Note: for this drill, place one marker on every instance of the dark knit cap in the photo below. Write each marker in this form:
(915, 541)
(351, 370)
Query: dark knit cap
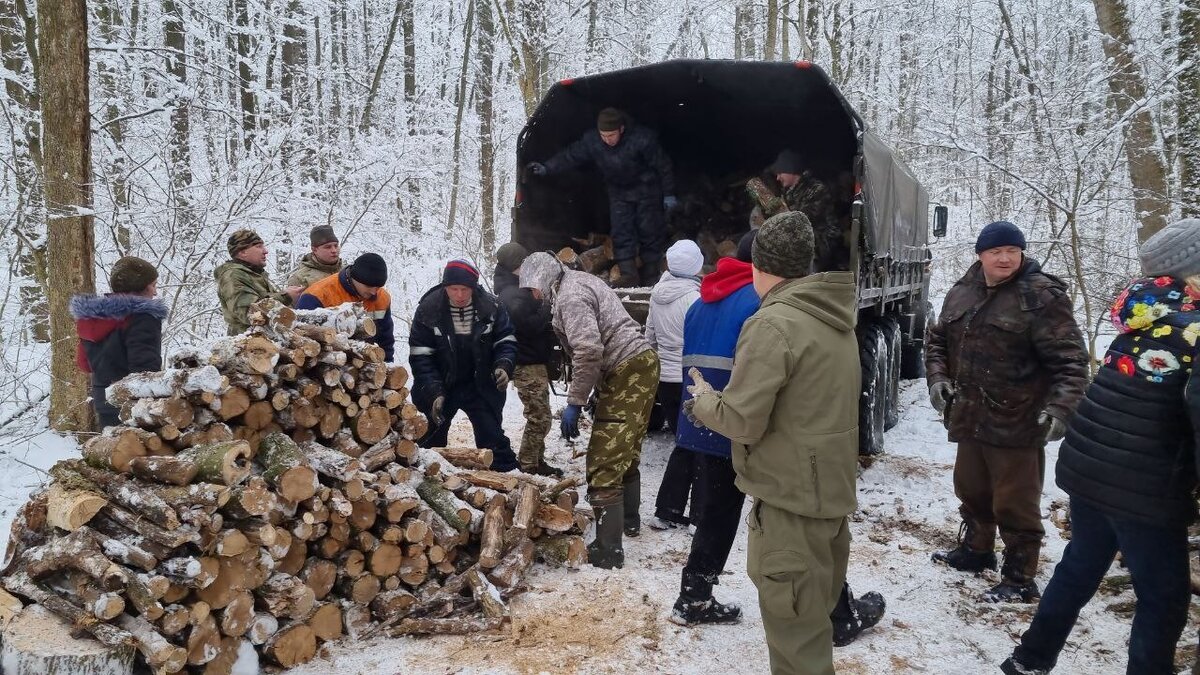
(241, 240)
(131, 275)
(1173, 251)
(369, 269)
(460, 273)
(511, 255)
(610, 119)
(321, 234)
(746, 246)
(788, 161)
(999, 233)
(784, 245)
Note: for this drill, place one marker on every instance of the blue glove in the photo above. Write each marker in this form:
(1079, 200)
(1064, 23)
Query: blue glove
(570, 422)
(670, 202)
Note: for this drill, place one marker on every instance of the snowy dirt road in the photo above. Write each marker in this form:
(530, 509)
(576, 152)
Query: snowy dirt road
(593, 621)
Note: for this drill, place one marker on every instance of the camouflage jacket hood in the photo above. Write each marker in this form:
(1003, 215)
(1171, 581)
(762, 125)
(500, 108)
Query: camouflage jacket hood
(589, 319)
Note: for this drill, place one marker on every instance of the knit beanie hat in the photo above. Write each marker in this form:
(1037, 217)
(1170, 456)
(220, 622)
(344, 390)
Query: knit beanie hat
(241, 240)
(746, 246)
(131, 275)
(1173, 251)
(999, 233)
(369, 269)
(610, 119)
(460, 273)
(788, 161)
(784, 245)
(684, 258)
(511, 255)
(321, 234)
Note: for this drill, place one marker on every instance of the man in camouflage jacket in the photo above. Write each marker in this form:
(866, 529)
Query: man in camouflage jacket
(323, 261)
(797, 189)
(1006, 367)
(608, 354)
(243, 280)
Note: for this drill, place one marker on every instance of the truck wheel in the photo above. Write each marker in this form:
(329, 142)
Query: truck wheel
(873, 402)
(912, 355)
(891, 334)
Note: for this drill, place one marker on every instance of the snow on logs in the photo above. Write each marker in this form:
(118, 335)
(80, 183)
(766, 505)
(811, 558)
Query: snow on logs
(266, 495)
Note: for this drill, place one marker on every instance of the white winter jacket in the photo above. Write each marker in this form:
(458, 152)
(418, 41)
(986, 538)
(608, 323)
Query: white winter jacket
(669, 302)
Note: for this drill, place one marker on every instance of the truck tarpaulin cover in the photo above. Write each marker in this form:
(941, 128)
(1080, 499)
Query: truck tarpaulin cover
(897, 205)
(720, 121)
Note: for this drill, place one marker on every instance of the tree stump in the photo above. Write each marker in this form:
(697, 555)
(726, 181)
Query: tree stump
(37, 642)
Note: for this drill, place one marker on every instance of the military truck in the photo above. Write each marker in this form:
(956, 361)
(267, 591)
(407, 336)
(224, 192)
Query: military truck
(723, 122)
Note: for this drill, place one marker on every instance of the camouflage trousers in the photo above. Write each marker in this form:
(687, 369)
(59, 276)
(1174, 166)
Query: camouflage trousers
(623, 404)
(533, 387)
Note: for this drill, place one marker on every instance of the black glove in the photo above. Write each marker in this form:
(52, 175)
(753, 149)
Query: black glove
(939, 395)
(536, 168)
(1056, 429)
(500, 377)
(435, 411)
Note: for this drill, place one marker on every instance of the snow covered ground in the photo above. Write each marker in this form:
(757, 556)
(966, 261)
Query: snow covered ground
(594, 621)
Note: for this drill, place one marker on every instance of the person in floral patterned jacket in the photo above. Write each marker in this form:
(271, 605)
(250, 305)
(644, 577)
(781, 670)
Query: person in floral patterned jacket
(1128, 464)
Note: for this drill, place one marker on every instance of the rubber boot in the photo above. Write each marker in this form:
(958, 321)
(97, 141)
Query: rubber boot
(629, 275)
(650, 273)
(633, 502)
(853, 615)
(606, 551)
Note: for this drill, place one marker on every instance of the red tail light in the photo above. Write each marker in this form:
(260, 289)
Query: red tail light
(567, 81)
(804, 64)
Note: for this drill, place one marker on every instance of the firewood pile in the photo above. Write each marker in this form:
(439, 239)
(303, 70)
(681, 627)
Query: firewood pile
(595, 254)
(267, 492)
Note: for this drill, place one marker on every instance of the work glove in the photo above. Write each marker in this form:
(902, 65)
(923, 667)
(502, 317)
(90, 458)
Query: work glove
(1056, 429)
(536, 168)
(669, 203)
(570, 422)
(699, 385)
(939, 395)
(435, 411)
(500, 377)
(689, 411)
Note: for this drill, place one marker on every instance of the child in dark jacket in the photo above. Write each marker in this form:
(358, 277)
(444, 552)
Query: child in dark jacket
(120, 332)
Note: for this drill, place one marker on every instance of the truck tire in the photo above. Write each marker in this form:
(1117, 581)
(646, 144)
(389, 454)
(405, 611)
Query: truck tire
(891, 334)
(873, 402)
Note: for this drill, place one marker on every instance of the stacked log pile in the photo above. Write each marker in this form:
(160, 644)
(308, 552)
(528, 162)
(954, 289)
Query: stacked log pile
(268, 493)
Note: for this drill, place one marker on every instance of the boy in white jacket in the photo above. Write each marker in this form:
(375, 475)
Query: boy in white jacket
(670, 299)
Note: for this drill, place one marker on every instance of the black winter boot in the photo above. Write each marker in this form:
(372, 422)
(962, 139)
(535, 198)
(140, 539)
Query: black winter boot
(629, 274)
(1012, 666)
(633, 503)
(696, 604)
(606, 551)
(853, 615)
(650, 273)
(963, 557)
(1016, 576)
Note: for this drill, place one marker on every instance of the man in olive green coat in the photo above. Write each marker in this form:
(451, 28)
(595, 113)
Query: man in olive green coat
(243, 281)
(791, 411)
(324, 260)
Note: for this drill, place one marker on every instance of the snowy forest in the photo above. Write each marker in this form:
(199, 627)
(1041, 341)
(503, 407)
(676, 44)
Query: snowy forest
(396, 122)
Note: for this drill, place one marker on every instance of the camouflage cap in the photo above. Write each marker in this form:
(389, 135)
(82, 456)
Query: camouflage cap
(610, 119)
(131, 275)
(784, 245)
(241, 240)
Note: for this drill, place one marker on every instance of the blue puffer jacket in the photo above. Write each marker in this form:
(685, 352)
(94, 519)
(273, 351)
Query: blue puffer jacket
(710, 335)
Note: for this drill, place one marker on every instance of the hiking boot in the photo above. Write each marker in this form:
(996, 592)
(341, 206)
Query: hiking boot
(853, 615)
(1012, 666)
(543, 469)
(664, 524)
(965, 559)
(1009, 591)
(691, 612)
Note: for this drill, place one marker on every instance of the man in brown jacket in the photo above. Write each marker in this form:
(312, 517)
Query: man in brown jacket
(1006, 366)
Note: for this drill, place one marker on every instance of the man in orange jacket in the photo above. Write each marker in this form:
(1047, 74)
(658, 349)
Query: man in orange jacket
(361, 282)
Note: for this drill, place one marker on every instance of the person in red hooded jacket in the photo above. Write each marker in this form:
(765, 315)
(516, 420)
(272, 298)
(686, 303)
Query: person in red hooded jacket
(120, 332)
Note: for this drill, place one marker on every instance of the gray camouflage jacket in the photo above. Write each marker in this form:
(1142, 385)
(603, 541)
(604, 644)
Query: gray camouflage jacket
(590, 321)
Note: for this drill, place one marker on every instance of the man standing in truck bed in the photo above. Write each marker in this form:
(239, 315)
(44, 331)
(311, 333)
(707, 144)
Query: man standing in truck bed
(641, 189)
(798, 189)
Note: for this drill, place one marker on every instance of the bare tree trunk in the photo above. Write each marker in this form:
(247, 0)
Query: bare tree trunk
(408, 25)
(108, 13)
(245, 77)
(810, 27)
(294, 53)
(179, 150)
(18, 47)
(456, 159)
(593, 47)
(70, 240)
(1127, 94)
(365, 123)
(769, 43)
(784, 30)
(1188, 52)
(484, 103)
